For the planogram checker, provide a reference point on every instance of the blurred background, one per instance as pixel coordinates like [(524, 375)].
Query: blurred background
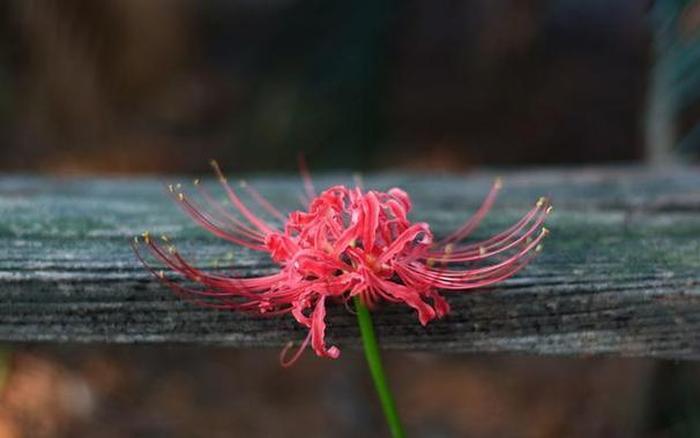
[(165, 85), (133, 86)]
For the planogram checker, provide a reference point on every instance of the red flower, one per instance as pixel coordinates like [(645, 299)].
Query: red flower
[(348, 242)]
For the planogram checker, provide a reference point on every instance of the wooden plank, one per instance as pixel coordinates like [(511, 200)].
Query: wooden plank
[(620, 273)]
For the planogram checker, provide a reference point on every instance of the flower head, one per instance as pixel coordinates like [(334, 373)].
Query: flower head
[(347, 242)]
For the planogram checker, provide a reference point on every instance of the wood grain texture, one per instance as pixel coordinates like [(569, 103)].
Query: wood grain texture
[(619, 274)]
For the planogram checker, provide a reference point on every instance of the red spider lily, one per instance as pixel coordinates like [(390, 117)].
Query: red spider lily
[(348, 242)]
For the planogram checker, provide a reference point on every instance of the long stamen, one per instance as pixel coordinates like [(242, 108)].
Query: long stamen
[(306, 177), (487, 251), (264, 203), (539, 213), (235, 200), (227, 215), (476, 219), (209, 224)]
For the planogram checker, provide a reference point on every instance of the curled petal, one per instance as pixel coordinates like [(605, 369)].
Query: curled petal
[(318, 331)]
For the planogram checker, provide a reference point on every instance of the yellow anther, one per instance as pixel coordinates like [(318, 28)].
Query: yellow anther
[(136, 239), (181, 196), (172, 249), (449, 248), (498, 183), (549, 209), (217, 169), (196, 181), (545, 231), (178, 186), (482, 250), (541, 201), (164, 238), (171, 188), (161, 274), (539, 248), (146, 237)]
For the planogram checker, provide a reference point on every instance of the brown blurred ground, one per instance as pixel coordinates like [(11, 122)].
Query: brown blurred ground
[(212, 392)]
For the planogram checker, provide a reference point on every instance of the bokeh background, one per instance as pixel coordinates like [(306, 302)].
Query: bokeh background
[(164, 85), (133, 86)]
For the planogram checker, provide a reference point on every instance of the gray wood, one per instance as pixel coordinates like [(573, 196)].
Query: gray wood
[(619, 274)]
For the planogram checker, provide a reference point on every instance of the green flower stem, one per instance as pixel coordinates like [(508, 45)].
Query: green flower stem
[(374, 360)]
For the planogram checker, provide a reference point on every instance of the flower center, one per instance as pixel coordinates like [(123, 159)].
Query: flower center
[(348, 230)]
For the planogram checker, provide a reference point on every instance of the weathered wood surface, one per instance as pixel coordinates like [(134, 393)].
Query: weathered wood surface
[(619, 274)]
